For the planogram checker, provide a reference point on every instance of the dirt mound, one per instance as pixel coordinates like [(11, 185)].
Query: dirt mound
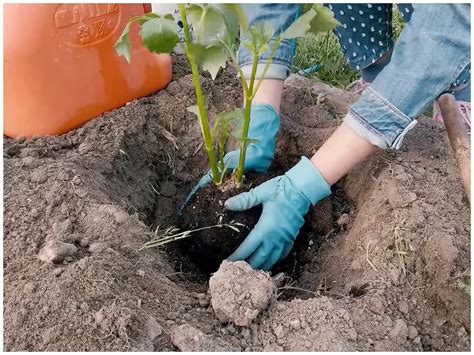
[(239, 293), (386, 268)]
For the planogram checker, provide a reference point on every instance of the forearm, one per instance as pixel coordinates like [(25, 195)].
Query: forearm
[(340, 153), (269, 92)]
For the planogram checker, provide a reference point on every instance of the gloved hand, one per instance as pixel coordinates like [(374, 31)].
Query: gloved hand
[(285, 199), (263, 127)]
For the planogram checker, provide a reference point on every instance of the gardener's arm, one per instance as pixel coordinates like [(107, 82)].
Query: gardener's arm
[(381, 117)]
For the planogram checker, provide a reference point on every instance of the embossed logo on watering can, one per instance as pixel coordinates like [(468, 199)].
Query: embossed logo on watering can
[(85, 24)]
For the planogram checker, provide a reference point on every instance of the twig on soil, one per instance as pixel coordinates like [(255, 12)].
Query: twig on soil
[(401, 246), (153, 188), (171, 234), (199, 147), (27, 203), (169, 136), (100, 338), (367, 256)]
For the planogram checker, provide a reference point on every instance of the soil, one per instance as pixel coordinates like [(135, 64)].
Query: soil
[(385, 264), (207, 248)]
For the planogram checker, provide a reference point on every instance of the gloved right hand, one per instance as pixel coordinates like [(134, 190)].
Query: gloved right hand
[(285, 200), (263, 128)]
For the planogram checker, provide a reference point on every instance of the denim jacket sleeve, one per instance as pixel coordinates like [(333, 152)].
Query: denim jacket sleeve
[(280, 16), (432, 51)]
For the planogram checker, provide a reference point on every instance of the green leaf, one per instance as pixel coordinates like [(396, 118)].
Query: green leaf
[(318, 19), (210, 57), (123, 46), (260, 35), (207, 22), (233, 17), (159, 34), (215, 59), (324, 20), (301, 26)]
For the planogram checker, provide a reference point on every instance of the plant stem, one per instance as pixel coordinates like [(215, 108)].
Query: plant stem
[(245, 130), (276, 44), (203, 120)]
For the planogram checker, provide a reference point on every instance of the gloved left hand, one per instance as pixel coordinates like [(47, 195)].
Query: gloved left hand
[(263, 128), (285, 199)]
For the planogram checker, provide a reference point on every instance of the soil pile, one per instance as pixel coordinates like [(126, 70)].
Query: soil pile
[(384, 265)]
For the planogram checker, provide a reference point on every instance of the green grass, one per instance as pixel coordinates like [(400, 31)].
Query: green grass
[(324, 49)]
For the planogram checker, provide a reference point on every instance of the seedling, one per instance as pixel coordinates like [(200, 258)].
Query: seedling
[(215, 34)]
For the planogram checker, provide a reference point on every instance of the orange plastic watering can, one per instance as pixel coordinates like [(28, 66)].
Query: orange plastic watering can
[(61, 69)]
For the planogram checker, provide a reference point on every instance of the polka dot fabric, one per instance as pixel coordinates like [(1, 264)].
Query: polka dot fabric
[(464, 77), (365, 33)]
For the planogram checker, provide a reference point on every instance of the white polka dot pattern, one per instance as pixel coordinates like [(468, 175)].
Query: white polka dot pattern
[(365, 33)]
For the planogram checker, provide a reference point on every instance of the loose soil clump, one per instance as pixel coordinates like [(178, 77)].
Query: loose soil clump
[(209, 247), (239, 293), (383, 265)]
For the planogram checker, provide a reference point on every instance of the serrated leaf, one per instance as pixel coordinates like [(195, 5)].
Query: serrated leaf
[(301, 26), (318, 19), (207, 22), (233, 17), (260, 35), (159, 34), (123, 46), (324, 20), (210, 57), (215, 59)]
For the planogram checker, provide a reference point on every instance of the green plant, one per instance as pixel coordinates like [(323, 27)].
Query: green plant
[(215, 31)]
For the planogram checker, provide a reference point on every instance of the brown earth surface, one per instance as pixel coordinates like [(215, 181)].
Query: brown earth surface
[(383, 266)]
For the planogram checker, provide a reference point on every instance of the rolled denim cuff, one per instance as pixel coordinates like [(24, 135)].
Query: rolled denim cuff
[(376, 120), (280, 66), (274, 71)]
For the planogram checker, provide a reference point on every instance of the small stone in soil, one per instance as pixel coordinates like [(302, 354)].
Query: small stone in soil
[(97, 247), (55, 251), (153, 328)]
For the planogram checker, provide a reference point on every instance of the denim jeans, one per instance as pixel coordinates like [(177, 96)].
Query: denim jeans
[(431, 56), (280, 16)]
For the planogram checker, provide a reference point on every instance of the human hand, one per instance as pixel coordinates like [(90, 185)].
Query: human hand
[(286, 200), (263, 128)]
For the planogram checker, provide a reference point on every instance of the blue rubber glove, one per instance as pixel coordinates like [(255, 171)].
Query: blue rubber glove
[(263, 127), (285, 200)]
